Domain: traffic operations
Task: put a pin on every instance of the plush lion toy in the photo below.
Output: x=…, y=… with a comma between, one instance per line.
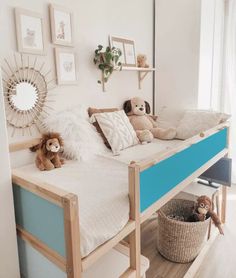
x=203, y=210
x=144, y=124
x=47, y=151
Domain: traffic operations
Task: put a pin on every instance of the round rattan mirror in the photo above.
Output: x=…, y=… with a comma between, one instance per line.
x=26, y=93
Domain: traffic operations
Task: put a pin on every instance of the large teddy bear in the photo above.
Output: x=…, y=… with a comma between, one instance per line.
x=144, y=124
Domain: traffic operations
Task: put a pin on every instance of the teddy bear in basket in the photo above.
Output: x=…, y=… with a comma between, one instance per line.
x=144, y=124
x=48, y=151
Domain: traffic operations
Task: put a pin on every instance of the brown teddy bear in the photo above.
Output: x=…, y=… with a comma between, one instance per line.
x=47, y=151
x=203, y=210
x=142, y=61
x=145, y=125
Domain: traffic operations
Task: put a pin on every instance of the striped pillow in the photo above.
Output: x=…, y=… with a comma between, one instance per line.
x=117, y=129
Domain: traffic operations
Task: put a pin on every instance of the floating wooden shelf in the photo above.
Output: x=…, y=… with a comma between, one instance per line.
x=142, y=73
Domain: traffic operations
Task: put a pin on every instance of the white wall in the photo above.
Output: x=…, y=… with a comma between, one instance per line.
x=94, y=21
x=8, y=250
x=177, y=52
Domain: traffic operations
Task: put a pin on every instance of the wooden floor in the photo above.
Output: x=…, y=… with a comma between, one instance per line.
x=220, y=261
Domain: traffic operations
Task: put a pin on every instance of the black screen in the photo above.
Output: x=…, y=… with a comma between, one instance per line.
x=220, y=172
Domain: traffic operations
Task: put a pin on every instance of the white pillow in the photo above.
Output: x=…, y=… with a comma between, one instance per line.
x=196, y=121
x=169, y=117
x=81, y=140
x=117, y=129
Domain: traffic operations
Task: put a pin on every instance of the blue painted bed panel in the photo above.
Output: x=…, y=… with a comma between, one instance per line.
x=159, y=179
x=35, y=265
x=40, y=218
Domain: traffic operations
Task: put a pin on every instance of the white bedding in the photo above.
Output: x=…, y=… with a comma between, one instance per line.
x=140, y=152
x=101, y=185
x=102, y=189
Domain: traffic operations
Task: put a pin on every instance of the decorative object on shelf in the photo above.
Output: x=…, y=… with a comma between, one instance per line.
x=26, y=92
x=107, y=61
x=66, y=66
x=142, y=61
x=30, y=32
x=127, y=47
x=61, y=25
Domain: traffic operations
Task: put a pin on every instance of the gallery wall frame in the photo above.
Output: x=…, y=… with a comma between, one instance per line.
x=62, y=25
x=66, y=66
x=30, y=32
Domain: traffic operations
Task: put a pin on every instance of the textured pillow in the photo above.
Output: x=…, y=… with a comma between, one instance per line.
x=196, y=121
x=118, y=130
x=81, y=140
x=169, y=117
x=92, y=111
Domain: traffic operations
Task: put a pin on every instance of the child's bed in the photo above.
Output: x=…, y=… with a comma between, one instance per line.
x=59, y=218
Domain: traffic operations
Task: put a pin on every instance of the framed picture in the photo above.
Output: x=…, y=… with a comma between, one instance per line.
x=30, y=32
x=127, y=46
x=65, y=66
x=61, y=25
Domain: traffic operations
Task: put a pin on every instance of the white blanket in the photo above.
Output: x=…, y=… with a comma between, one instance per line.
x=102, y=189
x=140, y=152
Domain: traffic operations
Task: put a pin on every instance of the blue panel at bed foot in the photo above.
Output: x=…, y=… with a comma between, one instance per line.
x=159, y=179
x=41, y=218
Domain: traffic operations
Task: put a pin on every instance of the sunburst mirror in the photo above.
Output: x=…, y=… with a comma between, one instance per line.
x=26, y=89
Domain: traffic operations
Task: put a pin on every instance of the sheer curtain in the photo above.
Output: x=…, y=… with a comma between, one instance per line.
x=228, y=98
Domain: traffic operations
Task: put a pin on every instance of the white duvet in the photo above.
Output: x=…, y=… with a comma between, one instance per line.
x=102, y=189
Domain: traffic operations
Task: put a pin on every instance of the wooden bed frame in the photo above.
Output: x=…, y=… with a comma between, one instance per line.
x=192, y=157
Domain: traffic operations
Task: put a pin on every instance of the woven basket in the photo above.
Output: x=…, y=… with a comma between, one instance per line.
x=179, y=241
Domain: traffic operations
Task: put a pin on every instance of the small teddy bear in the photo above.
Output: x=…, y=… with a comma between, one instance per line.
x=202, y=210
x=47, y=151
x=141, y=61
x=144, y=124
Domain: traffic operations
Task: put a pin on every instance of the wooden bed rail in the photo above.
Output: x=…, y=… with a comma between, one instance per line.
x=156, y=158
x=73, y=264
x=14, y=147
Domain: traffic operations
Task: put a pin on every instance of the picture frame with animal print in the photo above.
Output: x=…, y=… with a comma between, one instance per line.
x=66, y=66
x=30, y=32
x=62, y=26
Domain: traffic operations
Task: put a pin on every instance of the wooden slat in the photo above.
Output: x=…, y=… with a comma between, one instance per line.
x=135, y=237
x=14, y=147
x=159, y=203
x=50, y=254
x=104, y=248
x=72, y=236
x=36, y=186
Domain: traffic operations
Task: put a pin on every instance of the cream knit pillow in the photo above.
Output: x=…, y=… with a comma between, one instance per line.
x=117, y=129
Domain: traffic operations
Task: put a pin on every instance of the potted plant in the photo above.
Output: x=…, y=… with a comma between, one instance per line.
x=107, y=61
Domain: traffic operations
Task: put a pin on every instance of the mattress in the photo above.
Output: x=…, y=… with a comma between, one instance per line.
x=103, y=198
x=101, y=185
x=140, y=152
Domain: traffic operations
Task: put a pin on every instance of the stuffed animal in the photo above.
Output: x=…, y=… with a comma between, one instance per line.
x=142, y=61
x=202, y=210
x=47, y=152
x=144, y=124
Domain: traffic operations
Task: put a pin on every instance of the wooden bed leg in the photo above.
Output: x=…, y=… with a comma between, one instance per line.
x=223, y=204
x=72, y=236
x=134, y=237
